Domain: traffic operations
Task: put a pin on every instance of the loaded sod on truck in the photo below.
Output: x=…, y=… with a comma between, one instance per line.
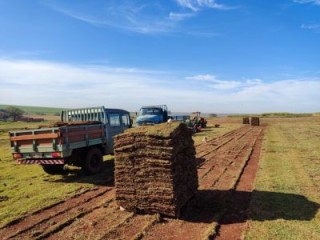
x=81, y=139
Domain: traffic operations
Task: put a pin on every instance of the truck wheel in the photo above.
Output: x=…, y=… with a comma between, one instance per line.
x=53, y=169
x=93, y=162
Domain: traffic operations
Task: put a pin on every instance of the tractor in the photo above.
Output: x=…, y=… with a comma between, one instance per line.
x=196, y=122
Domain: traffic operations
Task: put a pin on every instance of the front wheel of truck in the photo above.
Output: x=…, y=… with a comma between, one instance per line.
x=93, y=162
x=53, y=169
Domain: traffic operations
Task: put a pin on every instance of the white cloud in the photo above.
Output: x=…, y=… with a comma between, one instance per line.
x=40, y=83
x=250, y=82
x=225, y=85
x=310, y=26
x=187, y=4
x=145, y=17
x=213, y=82
x=202, y=77
x=196, y=5
x=148, y=18
x=180, y=16
x=316, y=2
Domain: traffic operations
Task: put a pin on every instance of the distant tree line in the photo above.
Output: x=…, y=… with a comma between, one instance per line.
x=11, y=112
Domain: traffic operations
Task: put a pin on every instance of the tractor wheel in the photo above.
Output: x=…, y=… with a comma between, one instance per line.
x=53, y=169
x=93, y=162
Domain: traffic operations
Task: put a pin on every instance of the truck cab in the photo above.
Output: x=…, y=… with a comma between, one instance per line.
x=119, y=121
x=149, y=115
x=116, y=121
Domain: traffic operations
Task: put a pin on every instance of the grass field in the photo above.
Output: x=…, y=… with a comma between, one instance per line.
x=285, y=202
x=26, y=188
x=36, y=110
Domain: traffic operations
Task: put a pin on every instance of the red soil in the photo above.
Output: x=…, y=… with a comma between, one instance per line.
x=226, y=168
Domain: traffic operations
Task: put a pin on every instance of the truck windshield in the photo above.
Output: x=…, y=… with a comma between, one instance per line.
x=150, y=111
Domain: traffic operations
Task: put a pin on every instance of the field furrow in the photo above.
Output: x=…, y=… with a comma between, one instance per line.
x=203, y=216
x=52, y=219
x=25, y=224
x=95, y=214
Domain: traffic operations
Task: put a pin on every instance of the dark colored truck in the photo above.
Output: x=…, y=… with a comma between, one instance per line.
x=81, y=139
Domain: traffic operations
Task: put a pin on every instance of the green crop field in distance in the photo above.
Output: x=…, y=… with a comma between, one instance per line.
x=30, y=110
x=286, y=200
x=211, y=132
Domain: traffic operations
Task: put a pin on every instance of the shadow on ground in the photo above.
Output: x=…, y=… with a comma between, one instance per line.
x=200, y=162
x=209, y=205
x=104, y=178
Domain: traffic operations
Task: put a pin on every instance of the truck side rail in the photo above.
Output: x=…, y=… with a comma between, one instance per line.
x=61, y=139
x=85, y=114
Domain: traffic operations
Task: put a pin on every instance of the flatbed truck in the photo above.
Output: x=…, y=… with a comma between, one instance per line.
x=81, y=139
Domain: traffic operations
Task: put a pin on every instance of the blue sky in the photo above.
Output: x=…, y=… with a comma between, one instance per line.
x=222, y=56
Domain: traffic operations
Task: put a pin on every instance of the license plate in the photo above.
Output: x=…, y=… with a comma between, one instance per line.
x=36, y=155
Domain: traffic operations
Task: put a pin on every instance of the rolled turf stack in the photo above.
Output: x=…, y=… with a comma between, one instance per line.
x=255, y=121
x=245, y=120
x=155, y=168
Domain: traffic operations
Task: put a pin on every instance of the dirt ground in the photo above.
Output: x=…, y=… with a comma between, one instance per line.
x=226, y=168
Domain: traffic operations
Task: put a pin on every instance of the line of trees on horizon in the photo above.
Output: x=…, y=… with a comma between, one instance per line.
x=11, y=112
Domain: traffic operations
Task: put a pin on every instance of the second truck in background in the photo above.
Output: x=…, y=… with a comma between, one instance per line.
x=155, y=114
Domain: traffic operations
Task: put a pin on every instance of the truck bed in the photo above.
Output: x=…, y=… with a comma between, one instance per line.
x=33, y=144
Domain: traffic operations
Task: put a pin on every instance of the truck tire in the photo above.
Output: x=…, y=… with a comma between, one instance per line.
x=53, y=169
x=93, y=161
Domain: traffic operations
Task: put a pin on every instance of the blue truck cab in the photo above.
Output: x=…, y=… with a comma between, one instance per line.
x=149, y=115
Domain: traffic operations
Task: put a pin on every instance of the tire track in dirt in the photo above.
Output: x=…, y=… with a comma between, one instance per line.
x=95, y=214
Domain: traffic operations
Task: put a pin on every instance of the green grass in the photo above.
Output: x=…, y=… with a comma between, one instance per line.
x=276, y=114
x=286, y=200
x=36, y=110
x=211, y=132
x=26, y=188
x=286, y=115
x=33, y=110
x=163, y=129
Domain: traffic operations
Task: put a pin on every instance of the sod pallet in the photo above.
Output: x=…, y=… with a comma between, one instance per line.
x=255, y=121
x=155, y=168
x=245, y=120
